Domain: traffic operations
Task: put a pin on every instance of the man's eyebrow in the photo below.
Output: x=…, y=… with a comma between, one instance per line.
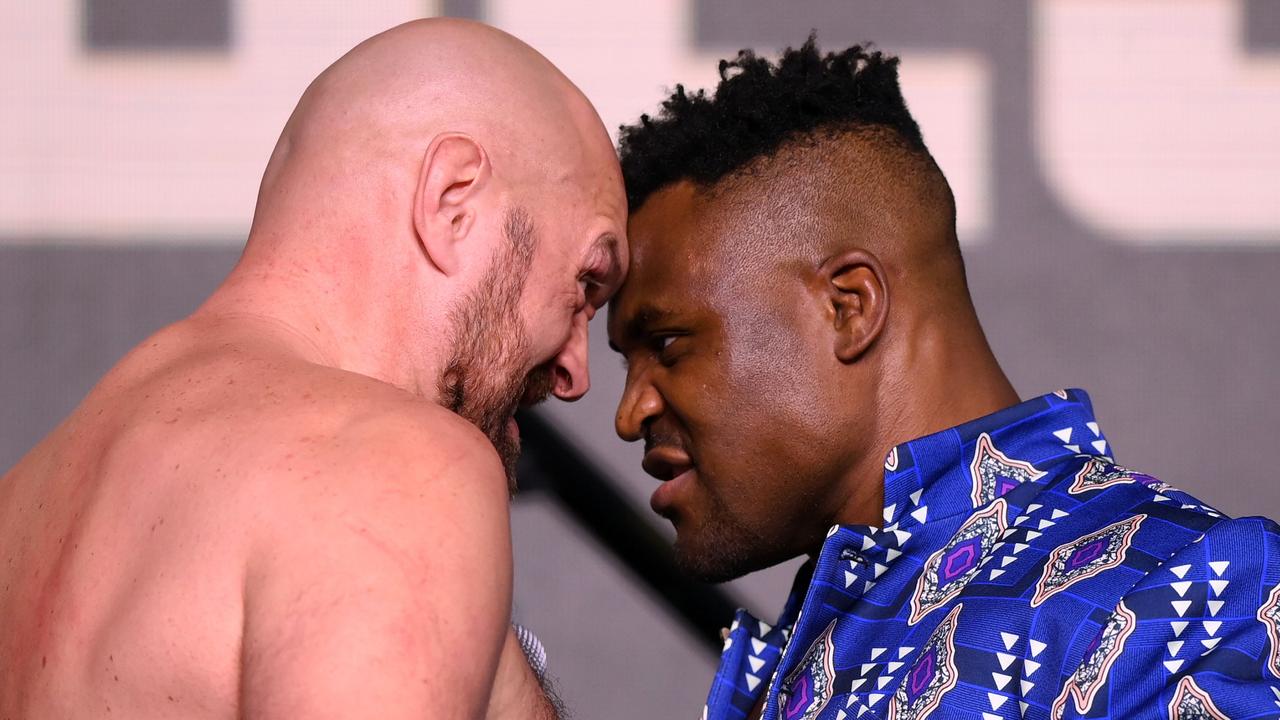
x=610, y=243
x=638, y=325
x=645, y=316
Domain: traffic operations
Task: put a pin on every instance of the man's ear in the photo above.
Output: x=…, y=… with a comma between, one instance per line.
x=454, y=168
x=854, y=284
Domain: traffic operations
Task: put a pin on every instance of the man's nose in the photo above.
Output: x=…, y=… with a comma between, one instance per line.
x=573, y=378
x=639, y=405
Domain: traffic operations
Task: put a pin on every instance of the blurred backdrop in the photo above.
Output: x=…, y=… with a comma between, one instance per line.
x=1116, y=165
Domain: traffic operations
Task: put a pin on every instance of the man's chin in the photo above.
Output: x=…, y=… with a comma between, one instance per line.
x=711, y=566
x=724, y=552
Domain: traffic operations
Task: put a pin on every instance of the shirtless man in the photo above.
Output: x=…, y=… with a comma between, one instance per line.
x=289, y=504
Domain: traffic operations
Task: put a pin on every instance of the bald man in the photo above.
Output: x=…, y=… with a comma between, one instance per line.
x=810, y=378
x=294, y=502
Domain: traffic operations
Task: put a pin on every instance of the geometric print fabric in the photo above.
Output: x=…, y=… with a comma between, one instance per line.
x=1020, y=572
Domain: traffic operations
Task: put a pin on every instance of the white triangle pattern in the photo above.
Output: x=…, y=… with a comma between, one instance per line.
x=1009, y=640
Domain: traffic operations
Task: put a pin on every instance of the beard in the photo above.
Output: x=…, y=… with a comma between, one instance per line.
x=487, y=376
x=722, y=549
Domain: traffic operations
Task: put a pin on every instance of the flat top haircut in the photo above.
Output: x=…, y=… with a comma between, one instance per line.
x=760, y=106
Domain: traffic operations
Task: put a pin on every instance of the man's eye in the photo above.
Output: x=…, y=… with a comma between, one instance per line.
x=591, y=287
x=661, y=345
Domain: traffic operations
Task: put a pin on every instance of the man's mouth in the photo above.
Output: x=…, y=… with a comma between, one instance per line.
x=666, y=462
x=675, y=469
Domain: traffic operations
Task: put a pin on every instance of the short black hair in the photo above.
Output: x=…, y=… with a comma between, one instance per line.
x=759, y=106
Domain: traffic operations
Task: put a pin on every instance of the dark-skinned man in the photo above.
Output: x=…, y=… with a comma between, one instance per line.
x=809, y=377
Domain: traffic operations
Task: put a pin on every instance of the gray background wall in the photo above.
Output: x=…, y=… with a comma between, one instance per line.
x=1173, y=330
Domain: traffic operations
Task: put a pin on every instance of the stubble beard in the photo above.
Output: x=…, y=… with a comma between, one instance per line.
x=486, y=378
x=724, y=548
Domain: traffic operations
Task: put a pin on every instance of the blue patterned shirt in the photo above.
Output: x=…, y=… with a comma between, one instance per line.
x=1021, y=573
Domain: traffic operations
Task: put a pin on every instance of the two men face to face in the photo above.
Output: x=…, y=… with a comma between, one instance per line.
x=721, y=381
x=725, y=386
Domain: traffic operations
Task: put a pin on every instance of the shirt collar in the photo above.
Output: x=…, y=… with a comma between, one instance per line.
x=932, y=478
x=967, y=466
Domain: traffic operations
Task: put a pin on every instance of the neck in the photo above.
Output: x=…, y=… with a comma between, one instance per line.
x=936, y=373
x=345, y=314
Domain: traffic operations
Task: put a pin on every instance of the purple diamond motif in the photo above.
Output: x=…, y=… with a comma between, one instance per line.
x=922, y=674
x=1004, y=485
x=1086, y=554
x=960, y=559
x=800, y=698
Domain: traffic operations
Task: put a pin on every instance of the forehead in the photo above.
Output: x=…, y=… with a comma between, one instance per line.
x=582, y=201
x=679, y=255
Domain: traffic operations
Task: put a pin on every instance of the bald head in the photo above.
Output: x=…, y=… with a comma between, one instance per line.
x=363, y=125
x=446, y=208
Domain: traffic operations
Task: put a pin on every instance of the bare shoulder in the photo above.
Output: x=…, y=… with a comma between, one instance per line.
x=377, y=458
x=380, y=574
